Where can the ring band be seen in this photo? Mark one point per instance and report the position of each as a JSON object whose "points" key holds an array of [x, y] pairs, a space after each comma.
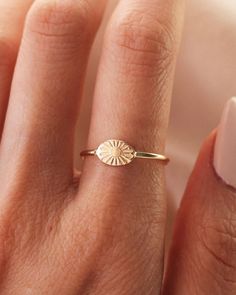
{"points": [[115, 152]]}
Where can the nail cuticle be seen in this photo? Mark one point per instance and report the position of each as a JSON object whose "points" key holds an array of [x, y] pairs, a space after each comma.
{"points": [[224, 160]]}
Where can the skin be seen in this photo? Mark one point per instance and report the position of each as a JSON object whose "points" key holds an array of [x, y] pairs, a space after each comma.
{"points": [[102, 232]]}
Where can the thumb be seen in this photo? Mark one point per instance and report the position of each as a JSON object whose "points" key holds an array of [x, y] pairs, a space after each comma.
{"points": [[203, 254]]}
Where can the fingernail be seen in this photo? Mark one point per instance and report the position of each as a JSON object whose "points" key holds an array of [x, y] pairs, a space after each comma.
{"points": [[225, 146]]}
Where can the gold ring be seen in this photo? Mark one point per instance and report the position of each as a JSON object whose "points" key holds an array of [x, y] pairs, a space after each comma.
{"points": [[115, 152]]}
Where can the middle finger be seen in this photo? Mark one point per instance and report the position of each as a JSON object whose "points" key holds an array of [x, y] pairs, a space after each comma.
{"points": [[46, 89]]}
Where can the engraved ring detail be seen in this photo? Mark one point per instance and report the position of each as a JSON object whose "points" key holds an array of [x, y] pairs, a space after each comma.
{"points": [[115, 152]]}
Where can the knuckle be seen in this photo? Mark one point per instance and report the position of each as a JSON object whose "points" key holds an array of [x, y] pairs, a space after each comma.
{"points": [[142, 42], [63, 19], [125, 220], [218, 240], [120, 229]]}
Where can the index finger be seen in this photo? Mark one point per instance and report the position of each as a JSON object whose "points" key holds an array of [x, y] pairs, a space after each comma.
{"points": [[12, 14]]}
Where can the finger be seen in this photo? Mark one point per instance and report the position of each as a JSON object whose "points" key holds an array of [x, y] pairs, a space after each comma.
{"points": [[12, 16], [47, 85], [11, 25], [203, 257], [132, 103]]}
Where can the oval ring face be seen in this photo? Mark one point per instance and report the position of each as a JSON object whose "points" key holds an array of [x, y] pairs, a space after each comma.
{"points": [[115, 153]]}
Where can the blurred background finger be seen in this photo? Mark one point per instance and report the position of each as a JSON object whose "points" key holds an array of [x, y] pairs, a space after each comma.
{"points": [[203, 255]]}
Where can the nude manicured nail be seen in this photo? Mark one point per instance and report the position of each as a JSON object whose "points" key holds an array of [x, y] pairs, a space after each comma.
{"points": [[225, 146]]}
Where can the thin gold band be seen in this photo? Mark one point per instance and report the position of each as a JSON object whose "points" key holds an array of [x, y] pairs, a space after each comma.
{"points": [[119, 153], [88, 153], [151, 156], [139, 155]]}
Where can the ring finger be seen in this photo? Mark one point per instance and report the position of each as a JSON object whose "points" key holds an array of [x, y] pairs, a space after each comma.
{"points": [[131, 103]]}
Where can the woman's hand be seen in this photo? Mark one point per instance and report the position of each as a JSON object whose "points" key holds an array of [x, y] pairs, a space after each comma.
{"points": [[103, 232]]}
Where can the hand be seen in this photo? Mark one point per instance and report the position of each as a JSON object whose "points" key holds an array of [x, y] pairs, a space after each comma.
{"points": [[103, 232]]}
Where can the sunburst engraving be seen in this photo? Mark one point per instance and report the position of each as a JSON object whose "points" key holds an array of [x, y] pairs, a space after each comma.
{"points": [[115, 153]]}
